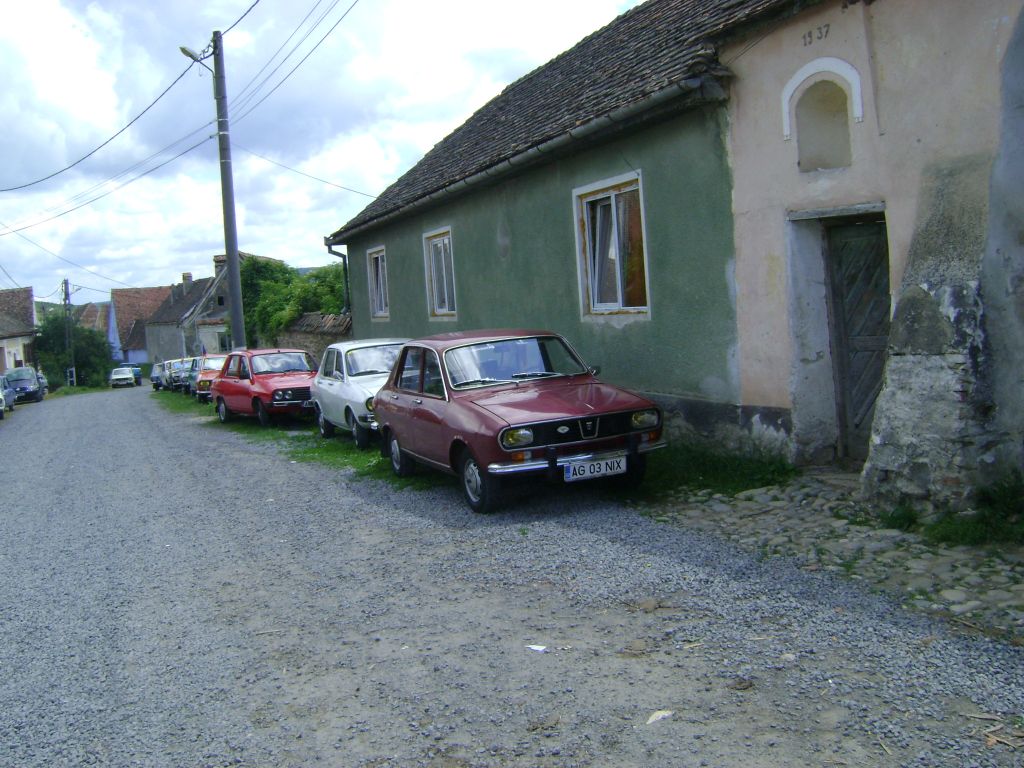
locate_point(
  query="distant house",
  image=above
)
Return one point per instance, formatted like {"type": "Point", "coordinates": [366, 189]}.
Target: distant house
{"type": "Point", "coordinates": [94, 316]}
{"type": "Point", "coordinates": [166, 330]}
{"type": "Point", "coordinates": [17, 327]}
{"type": "Point", "coordinates": [131, 308]}
{"type": "Point", "coordinates": [794, 222]}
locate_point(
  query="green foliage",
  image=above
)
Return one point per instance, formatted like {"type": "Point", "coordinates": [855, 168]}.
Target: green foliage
{"type": "Point", "coordinates": [275, 295]}
{"type": "Point", "coordinates": [685, 466]}
{"type": "Point", "coordinates": [903, 518]}
{"type": "Point", "coordinates": [93, 362]}
{"type": "Point", "coordinates": [998, 519]}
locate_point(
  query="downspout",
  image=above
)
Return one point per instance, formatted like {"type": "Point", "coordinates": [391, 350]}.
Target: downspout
{"type": "Point", "coordinates": [344, 266]}
{"type": "Point", "coordinates": [707, 87]}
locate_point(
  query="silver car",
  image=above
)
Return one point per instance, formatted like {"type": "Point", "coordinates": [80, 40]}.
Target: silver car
{"type": "Point", "coordinates": [350, 374]}
{"type": "Point", "coordinates": [122, 377]}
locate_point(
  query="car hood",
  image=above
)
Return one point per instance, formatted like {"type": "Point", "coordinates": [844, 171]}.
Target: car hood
{"type": "Point", "coordinates": [286, 380]}
{"type": "Point", "coordinates": [369, 385]}
{"type": "Point", "coordinates": [553, 400]}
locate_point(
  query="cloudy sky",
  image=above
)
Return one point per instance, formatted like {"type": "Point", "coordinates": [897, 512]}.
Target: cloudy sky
{"type": "Point", "coordinates": [389, 81]}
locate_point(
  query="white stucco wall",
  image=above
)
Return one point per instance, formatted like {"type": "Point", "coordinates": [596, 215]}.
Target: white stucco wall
{"type": "Point", "coordinates": [928, 76]}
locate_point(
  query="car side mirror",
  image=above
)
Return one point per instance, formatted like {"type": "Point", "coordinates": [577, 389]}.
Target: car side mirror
{"type": "Point", "coordinates": [595, 370]}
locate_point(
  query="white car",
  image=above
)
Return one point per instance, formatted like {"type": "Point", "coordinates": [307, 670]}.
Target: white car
{"type": "Point", "coordinates": [350, 374]}
{"type": "Point", "coordinates": [122, 377]}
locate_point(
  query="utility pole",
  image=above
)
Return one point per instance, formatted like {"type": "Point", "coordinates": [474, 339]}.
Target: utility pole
{"type": "Point", "coordinates": [69, 346]}
{"type": "Point", "coordinates": [227, 188]}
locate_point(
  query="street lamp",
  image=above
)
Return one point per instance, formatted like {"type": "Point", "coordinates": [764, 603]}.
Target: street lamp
{"type": "Point", "coordinates": [227, 187]}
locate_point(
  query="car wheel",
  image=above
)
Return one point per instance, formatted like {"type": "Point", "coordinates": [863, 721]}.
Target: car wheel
{"type": "Point", "coordinates": [401, 462]}
{"type": "Point", "coordinates": [2, 413]}
{"type": "Point", "coordinates": [322, 424]}
{"type": "Point", "coordinates": [261, 412]}
{"type": "Point", "coordinates": [479, 488]}
{"type": "Point", "coordinates": [360, 434]}
{"type": "Point", "coordinates": [222, 411]}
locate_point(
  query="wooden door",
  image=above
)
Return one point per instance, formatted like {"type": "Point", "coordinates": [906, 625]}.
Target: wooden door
{"type": "Point", "coordinates": [858, 267]}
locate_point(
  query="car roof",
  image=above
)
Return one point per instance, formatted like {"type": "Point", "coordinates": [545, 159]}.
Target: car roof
{"type": "Point", "coordinates": [267, 350]}
{"type": "Point", "coordinates": [345, 346]}
{"type": "Point", "coordinates": [459, 338]}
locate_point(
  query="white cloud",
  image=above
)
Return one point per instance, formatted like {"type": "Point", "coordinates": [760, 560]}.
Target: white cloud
{"type": "Point", "coordinates": [393, 79]}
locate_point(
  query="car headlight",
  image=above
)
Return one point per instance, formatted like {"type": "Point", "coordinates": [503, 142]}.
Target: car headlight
{"type": "Point", "coordinates": [282, 394]}
{"type": "Point", "coordinates": [645, 419]}
{"type": "Point", "coordinates": [369, 404]}
{"type": "Point", "coordinates": [517, 438]}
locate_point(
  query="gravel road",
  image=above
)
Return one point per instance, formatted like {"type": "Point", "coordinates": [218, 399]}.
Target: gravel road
{"type": "Point", "coordinates": [172, 594]}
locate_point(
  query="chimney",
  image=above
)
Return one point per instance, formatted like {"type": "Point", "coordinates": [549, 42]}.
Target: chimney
{"type": "Point", "coordinates": [186, 280]}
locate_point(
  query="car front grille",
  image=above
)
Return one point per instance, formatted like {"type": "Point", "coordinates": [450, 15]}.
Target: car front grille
{"type": "Point", "coordinates": [586, 428]}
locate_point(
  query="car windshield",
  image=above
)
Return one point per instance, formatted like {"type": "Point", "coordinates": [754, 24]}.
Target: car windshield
{"type": "Point", "coordinates": [20, 374]}
{"type": "Point", "coordinates": [496, 362]}
{"type": "Point", "coordinates": [368, 360]}
{"type": "Point", "coordinates": [213, 363]}
{"type": "Point", "coordinates": [121, 372]}
{"type": "Point", "coordinates": [281, 362]}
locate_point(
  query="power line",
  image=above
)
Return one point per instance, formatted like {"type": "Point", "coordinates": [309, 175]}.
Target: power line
{"type": "Point", "coordinates": [303, 173]}
{"type": "Point", "coordinates": [101, 146]}
{"type": "Point", "coordinates": [301, 62]}
{"type": "Point", "coordinates": [257, 2]}
{"type": "Point", "coordinates": [66, 261]}
{"type": "Point", "coordinates": [90, 201]}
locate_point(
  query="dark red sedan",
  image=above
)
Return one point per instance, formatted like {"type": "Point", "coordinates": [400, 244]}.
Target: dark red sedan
{"type": "Point", "coordinates": [484, 405]}
{"type": "Point", "coordinates": [263, 382]}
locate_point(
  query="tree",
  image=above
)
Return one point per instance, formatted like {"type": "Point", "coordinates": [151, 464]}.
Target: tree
{"type": "Point", "coordinates": [92, 353]}
{"type": "Point", "coordinates": [275, 295]}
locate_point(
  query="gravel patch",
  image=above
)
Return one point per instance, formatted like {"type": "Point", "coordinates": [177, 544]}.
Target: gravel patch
{"type": "Point", "coordinates": [174, 595]}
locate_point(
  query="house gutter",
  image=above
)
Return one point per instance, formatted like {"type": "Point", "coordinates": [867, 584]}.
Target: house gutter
{"type": "Point", "coordinates": [344, 266]}
{"type": "Point", "coordinates": [708, 88]}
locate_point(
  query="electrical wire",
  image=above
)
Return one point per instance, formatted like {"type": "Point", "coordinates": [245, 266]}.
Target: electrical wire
{"type": "Point", "coordinates": [301, 173]}
{"type": "Point", "coordinates": [257, 2]}
{"type": "Point", "coordinates": [67, 261]}
{"type": "Point", "coordinates": [101, 146]}
{"type": "Point", "coordinates": [13, 281]}
{"type": "Point", "coordinates": [301, 62]}
{"type": "Point", "coordinates": [90, 201]}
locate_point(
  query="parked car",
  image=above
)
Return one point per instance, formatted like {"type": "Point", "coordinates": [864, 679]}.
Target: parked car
{"type": "Point", "coordinates": [25, 383]}
{"type": "Point", "coordinates": [122, 377]}
{"type": "Point", "coordinates": [209, 367]}
{"type": "Point", "coordinates": [349, 376]}
{"type": "Point", "coordinates": [264, 382]}
{"type": "Point", "coordinates": [10, 395]}
{"type": "Point", "coordinates": [179, 370]}
{"type": "Point", "coordinates": [483, 405]}
{"type": "Point", "coordinates": [136, 373]}
{"type": "Point", "coordinates": [156, 376]}
{"type": "Point", "coordinates": [44, 383]}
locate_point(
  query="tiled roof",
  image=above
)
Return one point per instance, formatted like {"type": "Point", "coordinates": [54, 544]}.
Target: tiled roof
{"type": "Point", "coordinates": [11, 327]}
{"type": "Point", "coordinates": [131, 304]}
{"type": "Point", "coordinates": [95, 316]}
{"type": "Point", "coordinates": [17, 304]}
{"type": "Point", "coordinates": [182, 298]}
{"type": "Point", "coordinates": [136, 336]}
{"type": "Point", "coordinates": [316, 322]}
{"type": "Point", "coordinates": [646, 51]}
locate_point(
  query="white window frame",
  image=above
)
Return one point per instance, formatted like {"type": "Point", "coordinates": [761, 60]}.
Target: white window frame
{"type": "Point", "coordinates": [445, 306]}
{"type": "Point", "coordinates": [581, 197]}
{"type": "Point", "coordinates": [380, 308]}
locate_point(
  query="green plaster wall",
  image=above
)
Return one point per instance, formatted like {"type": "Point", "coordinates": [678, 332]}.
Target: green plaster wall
{"type": "Point", "coordinates": [514, 248]}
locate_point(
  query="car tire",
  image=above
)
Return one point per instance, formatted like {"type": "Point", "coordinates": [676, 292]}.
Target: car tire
{"type": "Point", "coordinates": [2, 413]}
{"type": "Point", "coordinates": [261, 412]}
{"type": "Point", "coordinates": [325, 427]}
{"type": "Point", "coordinates": [222, 411]}
{"type": "Point", "coordinates": [39, 396]}
{"type": "Point", "coordinates": [360, 434]}
{"type": "Point", "coordinates": [479, 488]}
{"type": "Point", "coordinates": [401, 462]}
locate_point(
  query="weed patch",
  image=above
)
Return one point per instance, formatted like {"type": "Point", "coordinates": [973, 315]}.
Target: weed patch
{"type": "Point", "coordinates": [999, 518]}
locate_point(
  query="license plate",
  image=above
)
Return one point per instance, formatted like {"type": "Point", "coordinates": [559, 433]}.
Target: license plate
{"type": "Point", "coordinates": [585, 470]}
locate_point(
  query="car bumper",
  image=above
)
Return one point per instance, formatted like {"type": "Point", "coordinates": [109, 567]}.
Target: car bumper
{"type": "Point", "coordinates": [553, 463]}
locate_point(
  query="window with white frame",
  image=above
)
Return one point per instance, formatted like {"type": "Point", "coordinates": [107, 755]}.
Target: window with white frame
{"type": "Point", "coordinates": [440, 273]}
{"type": "Point", "coordinates": [612, 257]}
{"type": "Point", "coordinates": [378, 271]}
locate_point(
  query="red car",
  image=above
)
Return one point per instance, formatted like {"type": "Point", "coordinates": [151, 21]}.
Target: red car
{"type": "Point", "coordinates": [484, 405]}
{"type": "Point", "coordinates": [264, 382]}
